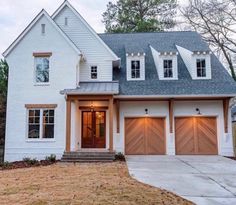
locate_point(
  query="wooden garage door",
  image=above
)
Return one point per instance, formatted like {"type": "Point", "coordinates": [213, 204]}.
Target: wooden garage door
{"type": "Point", "coordinates": [144, 136]}
{"type": "Point", "coordinates": [196, 135]}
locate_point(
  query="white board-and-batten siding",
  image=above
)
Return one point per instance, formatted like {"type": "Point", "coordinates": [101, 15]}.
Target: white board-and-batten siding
{"type": "Point", "coordinates": [92, 49]}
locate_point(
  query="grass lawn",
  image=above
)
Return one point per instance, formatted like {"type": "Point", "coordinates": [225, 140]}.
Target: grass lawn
{"type": "Point", "coordinates": [62, 184]}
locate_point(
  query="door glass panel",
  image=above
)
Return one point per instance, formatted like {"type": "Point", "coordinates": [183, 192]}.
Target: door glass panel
{"type": "Point", "coordinates": [100, 124]}
{"type": "Point", "coordinates": [87, 124]}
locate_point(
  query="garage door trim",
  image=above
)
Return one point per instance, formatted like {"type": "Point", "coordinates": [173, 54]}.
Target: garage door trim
{"type": "Point", "coordinates": [152, 117]}
{"type": "Point", "coordinates": [200, 116]}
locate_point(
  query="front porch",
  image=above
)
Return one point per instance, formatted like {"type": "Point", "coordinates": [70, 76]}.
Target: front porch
{"type": "Point", "coordinates": [89, 122]}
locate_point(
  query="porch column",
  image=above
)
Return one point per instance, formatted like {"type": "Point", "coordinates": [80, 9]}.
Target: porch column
{"type": "Point", "coordinates": [118, 116]}
{"type": "Point", "coordinates": [111, 124]}
{"type": "Point", "coordinates": [68, 125]}
{"type": "Point", "coordinates": [171, 104]}
{"type": "Point", "coordinates": [226, 111]}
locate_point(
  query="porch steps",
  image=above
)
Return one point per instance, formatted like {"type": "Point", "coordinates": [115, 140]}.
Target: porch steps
{"type": "Point", "coordinates": [85, 156]}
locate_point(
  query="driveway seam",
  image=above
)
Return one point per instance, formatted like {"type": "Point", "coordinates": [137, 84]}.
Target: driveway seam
{"type": "Point", "coordinates": [207, 177]}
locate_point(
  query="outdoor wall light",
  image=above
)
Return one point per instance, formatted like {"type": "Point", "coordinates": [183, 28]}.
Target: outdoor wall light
{"type": "Point", "coordinates": [198, 111]}
{"type": "Point", "coordinates": [146, 111]}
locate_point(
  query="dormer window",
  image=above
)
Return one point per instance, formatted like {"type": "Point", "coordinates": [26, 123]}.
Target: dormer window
{"type": "Point", "coordinates": [135, 66]}
{"type": "Point", "coordinates": [168, 68]}
{"type": "Point", "coordinates": [201, 67]}
{"type": "Point", "coordinates": [94, 72]}
{"type": "Point", "coordinates": [135, 69]}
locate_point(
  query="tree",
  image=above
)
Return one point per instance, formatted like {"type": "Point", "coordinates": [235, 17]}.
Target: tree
{"type": "Point", "coordinates": [139, 15]}
{"type": "Point", "coordinates": [215, 20]}
{"type": "Point", "coordinates": [3, 78]}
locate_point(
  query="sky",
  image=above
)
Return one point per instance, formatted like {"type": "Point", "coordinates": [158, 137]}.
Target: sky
{"type": "Point", "coordinates": [15, 15]}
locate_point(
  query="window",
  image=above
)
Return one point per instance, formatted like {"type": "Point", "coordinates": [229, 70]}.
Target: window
{"type": "Point", "coordinates": [42, 69]}
{"type": "Point", "coordinates": [135, 69]}
{"type": "Point", "coordinates": [168, 68]}
{"type": "Point", "coordinates": [48, 124]}
{"type": "Point", "coordinates": [34, 124]}
{"type": "Point", "coordinates": [201, 68]}
{"type": "Point", "coordinates": [66, 21]}
{"type": "Point", "coordinates": [43, 28]}
{"type": "Point", "coordinates": [94, 72]}
{"type": "Point", "coordinates": [41, 123]}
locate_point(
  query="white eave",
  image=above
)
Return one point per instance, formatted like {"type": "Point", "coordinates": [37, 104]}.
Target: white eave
{"type": "Point", "coordinates": [66, 3]}
{"type": "Point", "coordinates": [28, 28]}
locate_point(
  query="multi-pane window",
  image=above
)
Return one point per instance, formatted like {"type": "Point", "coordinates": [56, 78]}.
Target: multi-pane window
{"type": "Point", "coordinates": [201, 68]}
{"type": "Point", "coordinates": [48, 124]}
{"type": "Point", "coordinates": [34, 124]}
{"type": "Point", "coordinates": [168, 68]}
{"type": "Point", "coordinates": [135, 69]}
{"type": "Point", "coordinates": [94, 72]}
{"type": "Point", "coordinates": [42, 69]}
{"type": "Point", "coordinates": [41, 123]}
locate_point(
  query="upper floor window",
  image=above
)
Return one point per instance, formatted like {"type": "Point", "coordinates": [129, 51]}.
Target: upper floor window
{"type": "Point", "coordinates": [94, 72]}
{"type": "Point", "coordinates": [168, 68]}
{"type": "Point", "coordinates": [43, 29]}
{"type": "Point", "coordinates": [41, 123]}
{"type": "Point", "coordinates": [42, 69]}
{"type": "Point", "coordinates": [135, 69]}
{"type": "Point", "coordinates": [201, 68]}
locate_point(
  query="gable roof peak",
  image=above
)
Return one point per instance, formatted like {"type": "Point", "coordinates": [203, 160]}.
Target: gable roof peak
{"type": "Point", "coordinates": [43, 12]}
{"type": "Point", "coordinates": [76, 13]}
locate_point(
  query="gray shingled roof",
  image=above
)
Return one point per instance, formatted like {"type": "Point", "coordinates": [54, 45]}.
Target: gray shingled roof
{"type": "Point", "coordinates": [92, 88]}
{"type": "Point", "coordinates": [220, 84]}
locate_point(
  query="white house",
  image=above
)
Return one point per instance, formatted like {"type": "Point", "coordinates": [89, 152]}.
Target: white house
{"type": "Point", "coordinates": [73, 90]}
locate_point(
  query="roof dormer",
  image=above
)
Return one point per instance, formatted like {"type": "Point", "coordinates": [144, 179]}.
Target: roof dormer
{"type": "Point", "coordinates": [135, 63]}
{"type": "Point", "coordinates": [166, 64]}
{"type": "Point", "coordinates": [198, 63]}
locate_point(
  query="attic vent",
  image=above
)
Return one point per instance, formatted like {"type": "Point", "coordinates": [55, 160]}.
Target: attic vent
{"type": "Point", "coordinates": [66, 21]}
{"type": "Point", "coordinates": [43, 28]}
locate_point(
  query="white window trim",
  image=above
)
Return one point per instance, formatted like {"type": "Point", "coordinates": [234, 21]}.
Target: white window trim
{"type": "Point", "coordinates": [201, 77]}
{"type": "Point", "coordinates": [90, 67]}
{"type": "Point", "coordinates": [40, 139]}
{"type": "Point", "coordinates": [168, 59]}
{"type": "Point", "coordinates": [129, 59]}
{"type": "Point", "coordinates": [34, 74]}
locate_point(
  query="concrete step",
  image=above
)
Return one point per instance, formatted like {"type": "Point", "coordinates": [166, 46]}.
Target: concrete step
{"type": "Point", "coordinates": [85, 161]}
{"type": "Point", "coordinates": [83, 156]}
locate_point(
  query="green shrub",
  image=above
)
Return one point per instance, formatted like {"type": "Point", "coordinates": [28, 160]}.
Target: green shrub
{"type": "Point", "coordinates": [120, 156]}
{"type": "Point", "coordinates": [5, 164]}
{"type": "Point", "coordinates": [30, 161]}
{"type": "Point", "coordinates": [51, 158]}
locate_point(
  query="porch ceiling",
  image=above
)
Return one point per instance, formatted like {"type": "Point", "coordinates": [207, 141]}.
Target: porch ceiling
{"type": "Point", "coordinates": [94, 88]}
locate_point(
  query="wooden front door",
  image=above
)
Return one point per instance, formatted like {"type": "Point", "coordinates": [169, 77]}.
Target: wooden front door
{"type": "Point", "coordinates": [93, 129]}
{"type": "Point", "coordinates": [196, 135]}
{"type": "Point", "coordinates": [144, 136]}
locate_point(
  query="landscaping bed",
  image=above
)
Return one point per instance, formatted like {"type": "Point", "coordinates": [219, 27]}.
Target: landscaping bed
{"type": "Point", "coordinates": [80, 183]}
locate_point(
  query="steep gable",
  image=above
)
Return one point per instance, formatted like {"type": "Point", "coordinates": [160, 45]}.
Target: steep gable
{"type": "Point", "coordinates": [44, 14]}
{"type": "Point", "coordinates": [81, 33]}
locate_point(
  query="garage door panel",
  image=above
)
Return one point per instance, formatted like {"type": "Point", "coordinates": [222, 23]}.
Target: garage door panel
{"type": "Point", "coordinates": [152, 139]}
{"type": "Point", "coordinates": [207, 133]}
{"type": "Point", "coordinates": [135, 136]}
{"type": "Point", "coordinates": [155, 136]}
{"type": "Point", "coordinates": [184, 136]}
{"type": "Point", "coordinates": [196, 135]}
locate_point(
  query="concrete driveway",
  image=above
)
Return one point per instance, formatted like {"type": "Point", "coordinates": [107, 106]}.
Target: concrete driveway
{"type": "Point", "coordinates": [205, 180]}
